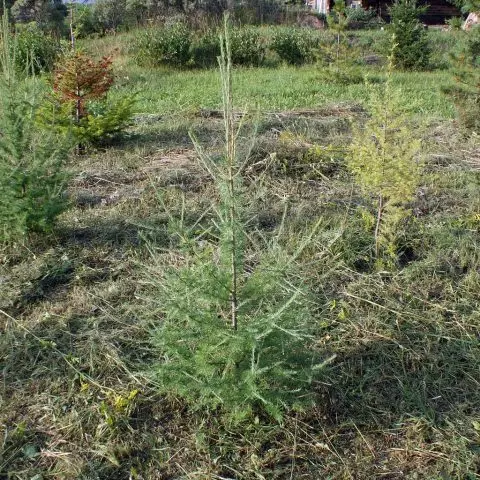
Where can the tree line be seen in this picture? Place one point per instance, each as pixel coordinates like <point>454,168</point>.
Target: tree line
<point>109,15</point>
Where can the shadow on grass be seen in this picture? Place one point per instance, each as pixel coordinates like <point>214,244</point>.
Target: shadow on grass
<point>383,382</point>
<point>174,134</point>
<point>53,277</point>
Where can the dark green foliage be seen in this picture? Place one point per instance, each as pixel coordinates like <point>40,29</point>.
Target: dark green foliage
<point>455,23</point>
<point>294,46</point>
<point>31,163</point>
<point>248,47</point>
<point>105,119</point>
<point>169,45</point>
<point>236,333</point>
<point>265,365</point>
<point>206,50</point>
<point>337,22</point>
<point>412,51</point>
<point>363,18</point>
<point>86,22</point>
<point>467,6</point>
<point>175,46</point>
<point>35,51</point>
<point>111,14</point>
<point>465,92</point>
<point>49,15</point>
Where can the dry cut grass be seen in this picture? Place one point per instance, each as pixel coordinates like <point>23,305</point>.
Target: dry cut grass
<point>401,399</point>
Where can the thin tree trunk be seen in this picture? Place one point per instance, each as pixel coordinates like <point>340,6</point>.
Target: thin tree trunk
<point>72,32</point>
<point>377,226</point>
<point>231,172</point>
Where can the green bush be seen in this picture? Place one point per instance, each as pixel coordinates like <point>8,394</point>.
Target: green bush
<point>105,119</point>
<point>363,18</point>
<point>169,45</point>
<point>34,50</point>
<point>294,46</point>
<point>455,23</point>
<point>86,23</point>
<point>247,46</point>
<point>265,365</point>
<point>206,50</point>
<point>412,51</point>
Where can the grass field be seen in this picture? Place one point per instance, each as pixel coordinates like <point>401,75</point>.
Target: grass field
<point>401,398</point>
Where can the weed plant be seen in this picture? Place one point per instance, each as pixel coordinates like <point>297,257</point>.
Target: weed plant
<point>206,50</point>
<point>293,46</point>
<point>247,46</point>
<point>35,51</point>
<point>169,45</point>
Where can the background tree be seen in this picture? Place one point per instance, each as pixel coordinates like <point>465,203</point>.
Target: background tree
<point>48,14</point>
<point>465,90</point>
<point>467,6</point>
<point>412,49</point>
<point>337,21</point>
<point>110,13</point>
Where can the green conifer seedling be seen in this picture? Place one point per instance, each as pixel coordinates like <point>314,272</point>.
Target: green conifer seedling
<point>236,325</point>
<point>384,159</point>
<point>31,164</point>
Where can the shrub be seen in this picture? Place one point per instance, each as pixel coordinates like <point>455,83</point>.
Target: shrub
<point>293,46</point>
<point>412,51</point>
<point>169,45</point>
<point>86,23</point>
<point>35,51</point>
<point>455,23</point>
<point>264,365</point>
<point>79,105</point>
<point>346,75</point>
<point>31,163</point>
<point>247,47</point>
<point>363,18</point>
<point>206,50</point>
<point>465,92</point>
<point>103,121</point>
